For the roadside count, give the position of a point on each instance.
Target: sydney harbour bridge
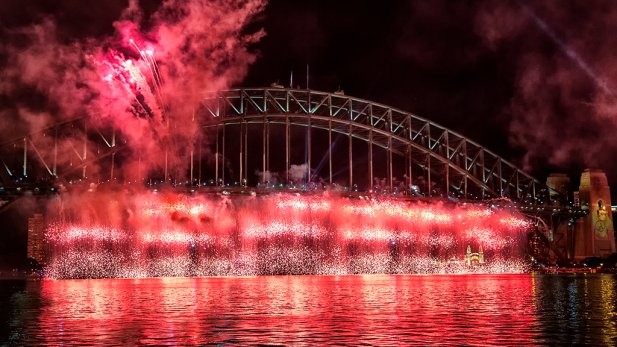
(264, 140)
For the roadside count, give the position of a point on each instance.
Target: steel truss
(467, 169)
(464, 169)
(82, 149)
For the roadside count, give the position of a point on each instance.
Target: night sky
(529, 80)
(437, 59)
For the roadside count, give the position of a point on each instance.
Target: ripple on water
(310, 310)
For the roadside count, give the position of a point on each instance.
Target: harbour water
(523, 309)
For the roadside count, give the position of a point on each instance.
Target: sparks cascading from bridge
(168, 234)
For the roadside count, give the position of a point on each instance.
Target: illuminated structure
(36, 238)
(474, 258)
(594, 233)
(350, 145)
(560, 234)
(411, 154)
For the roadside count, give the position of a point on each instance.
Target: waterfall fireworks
(169, 234)
(143, 86)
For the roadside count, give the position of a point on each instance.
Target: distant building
(594, 234)
(36, 238)
(474, 258)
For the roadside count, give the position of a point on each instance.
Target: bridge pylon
(594, 234)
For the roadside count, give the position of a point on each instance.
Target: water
(313, 310)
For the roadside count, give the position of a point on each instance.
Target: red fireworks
(316, 234)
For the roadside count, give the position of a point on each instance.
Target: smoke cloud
(146, 80)
(562, 110)
(298, 172)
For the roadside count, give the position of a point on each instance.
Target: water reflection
(310, 310)
(577, 309)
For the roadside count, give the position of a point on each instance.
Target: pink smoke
(145, 81)
(562, 108)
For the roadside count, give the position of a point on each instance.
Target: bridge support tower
(594, 234)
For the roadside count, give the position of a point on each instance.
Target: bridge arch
(460, 162)
(466, 169)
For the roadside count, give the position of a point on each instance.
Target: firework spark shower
(146, 82)
(169, 234)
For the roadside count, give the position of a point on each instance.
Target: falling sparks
(178, 235)
(514, 222)
(66, 234)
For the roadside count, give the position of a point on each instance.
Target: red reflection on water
(303, 310)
